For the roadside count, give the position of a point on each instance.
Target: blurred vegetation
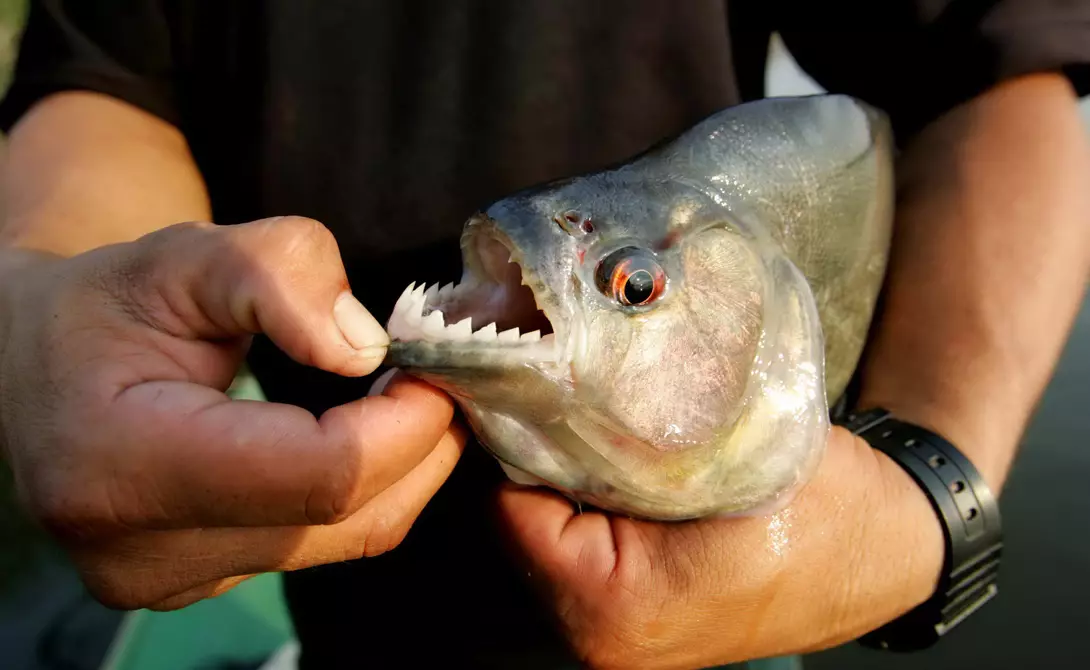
(12, 13)
(20, 540)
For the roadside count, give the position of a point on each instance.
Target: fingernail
(359, 328)
(380, 384)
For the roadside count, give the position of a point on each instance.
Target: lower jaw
(423, 355)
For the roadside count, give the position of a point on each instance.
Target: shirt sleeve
(917, 59)
(121, 48)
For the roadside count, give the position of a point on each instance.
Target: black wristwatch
(969, 514)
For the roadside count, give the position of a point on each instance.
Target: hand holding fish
(637, 594)
(164, 490)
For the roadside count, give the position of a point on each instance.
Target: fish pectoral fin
(520, 477)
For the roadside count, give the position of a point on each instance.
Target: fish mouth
(492, 316)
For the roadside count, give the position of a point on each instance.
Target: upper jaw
(494, 315)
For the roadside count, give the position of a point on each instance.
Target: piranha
(663, 338)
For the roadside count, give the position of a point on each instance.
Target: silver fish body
(662, 338)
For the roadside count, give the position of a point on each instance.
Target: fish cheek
(677, 375)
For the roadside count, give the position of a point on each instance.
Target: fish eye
(631, 276)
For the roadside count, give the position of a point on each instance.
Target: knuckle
(299, 236)
(293, 257)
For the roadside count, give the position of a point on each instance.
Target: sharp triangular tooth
(549, 339)
(413, 311)
(486, 334)
(463, 330)
(403, 301)
(509, 336)
(532, 336)
(414, 305)
(447, 290)
(433, 326)
(431, 293)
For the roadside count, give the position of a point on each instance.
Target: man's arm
(989, 265)
(992, 255)
(85, 170)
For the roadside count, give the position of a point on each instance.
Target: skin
(119, 333)
(860, 544)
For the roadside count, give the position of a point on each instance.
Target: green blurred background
(11, 17)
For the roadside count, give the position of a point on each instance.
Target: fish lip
(480, 274)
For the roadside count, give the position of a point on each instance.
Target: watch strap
(969, 515)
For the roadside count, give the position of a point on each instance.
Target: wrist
(901, 547)
(879, 549)
(908, 507)
(967, 513)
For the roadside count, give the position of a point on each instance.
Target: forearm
(83, 171)
(990, 262)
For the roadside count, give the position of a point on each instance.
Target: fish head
(637, 338)
(655, 296)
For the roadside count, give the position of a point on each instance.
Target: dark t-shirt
(393, 121)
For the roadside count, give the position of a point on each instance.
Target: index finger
(192, 457)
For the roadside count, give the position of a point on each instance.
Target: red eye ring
(632, 277)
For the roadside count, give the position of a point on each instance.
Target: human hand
(113, 417)
(858, 546)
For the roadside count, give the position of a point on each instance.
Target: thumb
(282, 277)
(557, 539)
